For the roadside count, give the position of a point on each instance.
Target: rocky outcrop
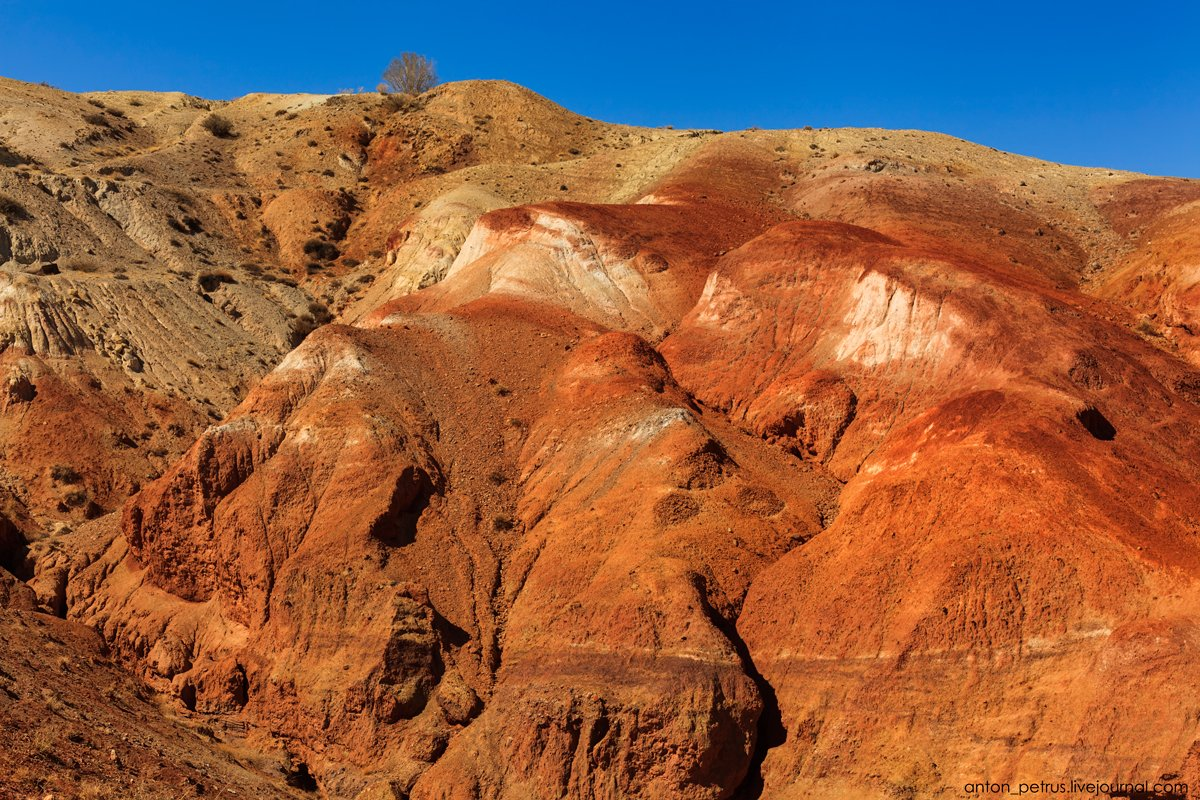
(421, 253)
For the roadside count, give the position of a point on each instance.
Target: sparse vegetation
(1147, 328)
(80, 265)
(398, 102)
(63, 473)
(45, 742)
(210, 281)
(411, 73)
(218, 126)
(321, 249)
(125, 170)
(188, 225)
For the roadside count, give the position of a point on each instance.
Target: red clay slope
(699, 497)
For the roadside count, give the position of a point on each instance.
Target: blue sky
(1097, 84)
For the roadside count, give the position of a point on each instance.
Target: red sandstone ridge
(487, 451)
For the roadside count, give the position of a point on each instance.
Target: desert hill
(458, 446)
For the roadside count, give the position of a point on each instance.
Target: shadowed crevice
(1096, 424)
(770, 731)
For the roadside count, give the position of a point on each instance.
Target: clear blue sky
(1100, 83)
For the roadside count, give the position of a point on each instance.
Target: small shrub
(320, 249)
(45, 743)
(54, 701)
(302, 327)
(218, 126)
(397, 102)
(188, 225)
(98, 120)
(210, 281)
(503, 522)
(80, 265)
(62, 473)
(1146, 328)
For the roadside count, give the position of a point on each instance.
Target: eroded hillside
(458, 446)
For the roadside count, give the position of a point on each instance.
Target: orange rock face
(1016, 470)
(830, 463)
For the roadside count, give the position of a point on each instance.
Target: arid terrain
(459, 447)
